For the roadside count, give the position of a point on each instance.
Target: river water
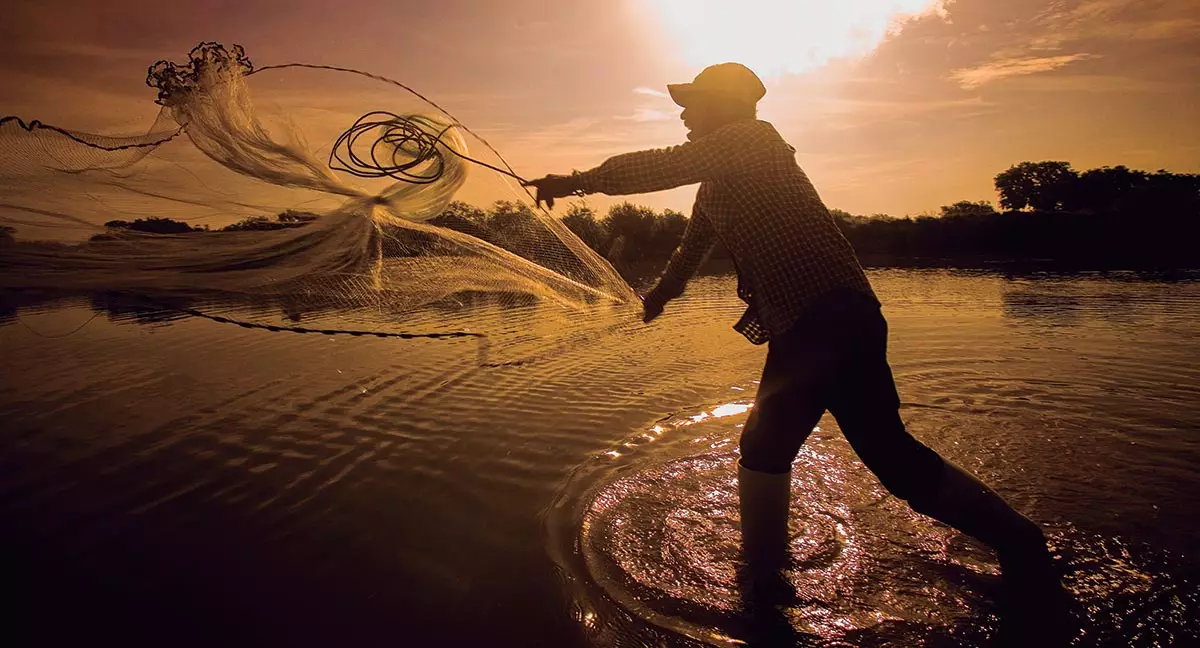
(178, 481)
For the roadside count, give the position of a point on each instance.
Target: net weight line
(482, 351)
(38, 125)
(481, 354)
(274, 328)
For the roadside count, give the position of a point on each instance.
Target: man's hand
(652, 307)
(553, 186)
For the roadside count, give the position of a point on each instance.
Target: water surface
(176, 477)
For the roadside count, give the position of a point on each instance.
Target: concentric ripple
(657, 543)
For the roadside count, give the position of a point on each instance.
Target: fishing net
(346, 201)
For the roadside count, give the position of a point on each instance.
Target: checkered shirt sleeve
(729, 150)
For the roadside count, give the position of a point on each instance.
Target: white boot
(764, 500)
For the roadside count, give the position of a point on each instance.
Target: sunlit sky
(895, 106)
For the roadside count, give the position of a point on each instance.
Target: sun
(777, 37)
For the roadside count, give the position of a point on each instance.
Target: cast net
(343, 200)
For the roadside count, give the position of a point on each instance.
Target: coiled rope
(403, 137)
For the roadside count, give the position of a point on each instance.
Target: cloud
(648, 115)
(1121, 20)
(1093, 83)
(1059, 34)
(651, 111)
(1011, 66)
(582, 132)
(900, 108)
(651, 92)
(1098, 24)
(75, 48)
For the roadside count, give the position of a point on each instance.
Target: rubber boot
(1035, 606)
(967, 504)
(764, 500)
(1029, 572)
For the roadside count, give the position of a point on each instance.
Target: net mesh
(345, 199)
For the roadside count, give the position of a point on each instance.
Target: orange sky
(903, 122)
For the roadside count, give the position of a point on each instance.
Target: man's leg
(789, 403)
(866, 406)
(786, 409)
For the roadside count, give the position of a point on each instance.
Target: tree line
(157, 225)
(1110, 217)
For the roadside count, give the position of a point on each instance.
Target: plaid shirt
(762, 206)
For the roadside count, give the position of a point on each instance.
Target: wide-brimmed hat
(729, 81)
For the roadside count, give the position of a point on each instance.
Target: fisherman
(810, 301)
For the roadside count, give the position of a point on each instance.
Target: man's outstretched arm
(698, 241)
(733, 148)
(728, 150)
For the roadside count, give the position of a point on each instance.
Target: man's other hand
(651, 308)
(551, 187)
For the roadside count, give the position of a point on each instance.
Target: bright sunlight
(776, 37)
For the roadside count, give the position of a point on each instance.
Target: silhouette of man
(809, 299)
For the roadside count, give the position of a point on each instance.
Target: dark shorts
(835, 359)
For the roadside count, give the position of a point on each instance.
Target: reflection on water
(1065, 302)
(162, 472)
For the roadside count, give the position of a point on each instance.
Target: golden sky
(895, 106)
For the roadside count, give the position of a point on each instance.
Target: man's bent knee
(768, 451)
(911, 474)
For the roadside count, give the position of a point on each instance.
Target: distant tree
(464, 218)
(1174, 196)
(668, 232)
(845, 221)
(1106, 189)
(152, 226)
(581, 220)
(7, 234)
(515, 227)
(630, 228)
(967, 209)
(285, 220)
(841, 215)
(296, 218)
(1042, 186)
(466, 211)
(254, 224)
(510, 217)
